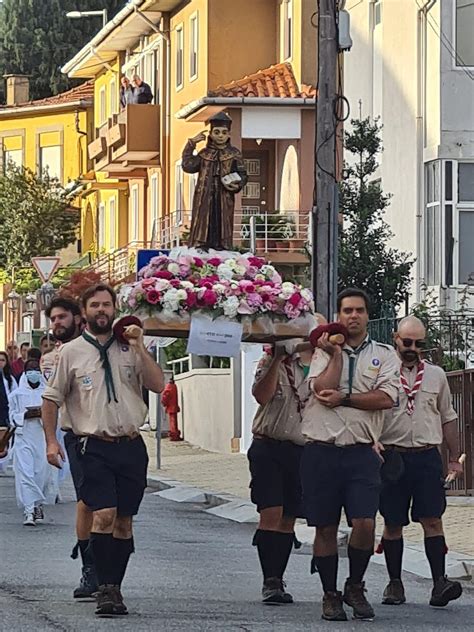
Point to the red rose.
(295, 299)
(191, 299)
(198, 262)
(209, 298)
(214, 261)
(153, 297)
(164, 274)
(257, 262)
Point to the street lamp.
(30, 303)
(86, 14)
(13, 303)
(45, 295)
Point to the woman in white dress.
(7, 386)
(33, 475)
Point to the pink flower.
(148, 282)
(244, 308)
(153, 297)
(247, 286)
(209, 298)
(191, 299)
(254, 299)
(256, 262)
(164, 274)
(214, 261)
(175, 283)
(295, 299)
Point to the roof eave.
(194, 106)
(72, 105)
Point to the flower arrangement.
(230, 285)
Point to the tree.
(365, 259)
(36, 218)
(36, 39)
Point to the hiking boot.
(273, 592)
(110, 601)
(29, 519)
(38, 514)
(445, 591)
(87, 585)
(355, 598)
(333, 609)
(394, 593)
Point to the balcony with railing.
(128, 141)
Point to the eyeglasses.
(408, 342)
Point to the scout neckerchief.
(353, 353)
(288, 364)
(411, 392)
(104, 357)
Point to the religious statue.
(222, 174)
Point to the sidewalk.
(224, 478)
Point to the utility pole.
(325, 211)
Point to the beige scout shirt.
(48, 363)
(433, 408)
(279, 418)
(377, 367)
(78, 387)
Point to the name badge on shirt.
(87, 382)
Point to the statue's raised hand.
(199, 138)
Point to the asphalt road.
(190, 571)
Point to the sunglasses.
(408, 342)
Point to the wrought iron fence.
(462, 388)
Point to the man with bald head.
(413, 432)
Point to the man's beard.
(100, 329)
(65, 333)
(410, 356)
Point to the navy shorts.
(275, 470)
(421, 486)
(71, 443)
(336, 478)
(114, 474)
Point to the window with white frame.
(193, 46)
(13, 157)
(178, 192)
(113, 97)
(287, 29)
(193, 177)
(466, 222)
(464, 33)
(135, 214)
(154, 202)
(102, 106)
(50, 161)
(101, 227)
(432, 224)
(179, 56)
(112, 223)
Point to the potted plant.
(283, 231)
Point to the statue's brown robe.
(212, 221)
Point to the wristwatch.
(346, 400)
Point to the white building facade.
(412, 65)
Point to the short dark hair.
(30, 361)
(352, 291)
(34, 353)
(24, 344)
(48, 337)
(99, 287)
(68, 304)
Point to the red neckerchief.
(411, 392)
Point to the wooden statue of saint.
(222, 174)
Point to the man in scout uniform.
(98, 382)
(352, 385)
(66, 323)
(413, 432)
(274, 457)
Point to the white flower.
(268, 270)
(162, 284)
(219, 288)
(224, 272)
(240, 270)
(181, 295)
(307, 294)
(187, 285)
(170, 300)
(230, 306)
(287, 290)
(173, 268)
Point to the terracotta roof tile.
(83, 92)
(276, 81)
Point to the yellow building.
(199, 57)
(47, 134)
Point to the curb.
(458, 565)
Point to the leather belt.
(114, 439)
(333, 445)
(399, 448)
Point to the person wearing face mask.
(222, 174)
(31, 468)
(414, 430)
